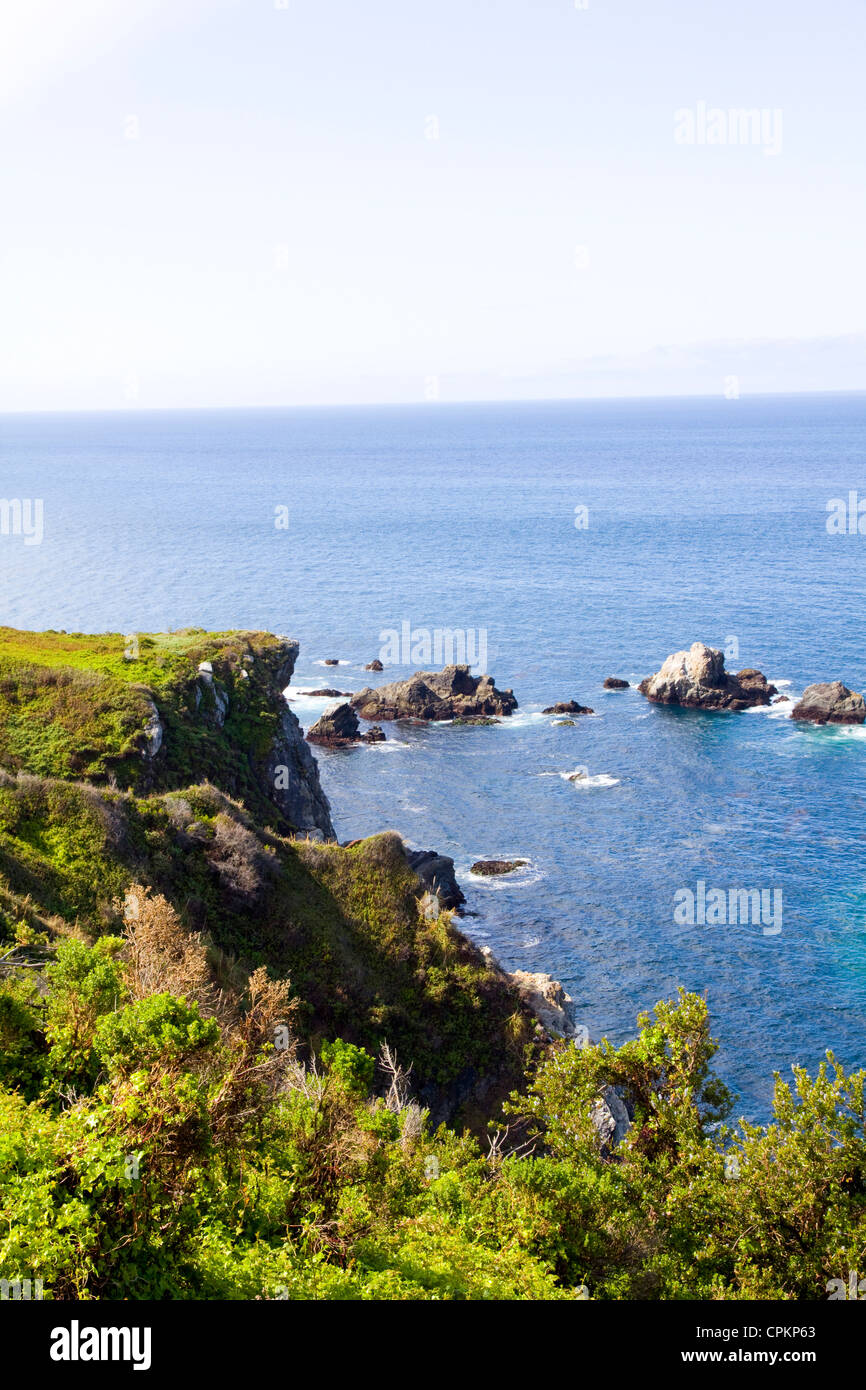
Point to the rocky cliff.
(159, 711)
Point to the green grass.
(76, 706)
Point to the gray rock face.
(436, 872)
(297, 790)
(546, 998)
(830, 703)
(611, 1119)
(293, 773)
(337, 727)
(211, 696)
(154, 731)
(452, 693)
(697, 679)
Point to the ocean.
(571, 541)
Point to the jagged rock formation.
(697, 679)
(374, 665)
(339, 728)
(453, 693)
(611, 1117)
(436, 872)
(549, 1002)
(830, 703)
(568, 707)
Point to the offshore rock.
(697, 679)
(830, 703)
(453, 693)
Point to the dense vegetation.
(224, 1056)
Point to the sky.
(243, 202)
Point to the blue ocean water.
(706, 520)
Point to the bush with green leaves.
(160, 1027)
(149, 1149)
(351, 1064)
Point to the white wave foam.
(524, 718)
(601, 779)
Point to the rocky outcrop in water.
(830, 703)
(614, 683)
(326, 694)
(374, 665)
(568, 707)
(489, 867)
(339, 728)
(697, 679)
(453, 693)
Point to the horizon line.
(433, 404)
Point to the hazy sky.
(236, 202)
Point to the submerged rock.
(497, 866)
(374, 735)
(476, 719)
(332, 661)
(448, 694)
(328, 693)
(614, 683)
(697, 679)
(568, 707)
(830, 703)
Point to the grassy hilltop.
(77, 706)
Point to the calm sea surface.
(706, 520)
